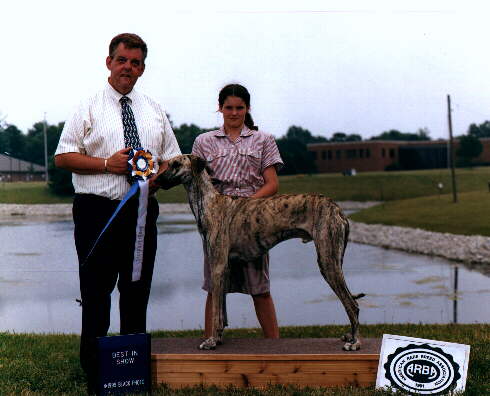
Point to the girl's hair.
(240, 92)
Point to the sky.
(360, 67)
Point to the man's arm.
(82, 164)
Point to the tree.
(60, 180)
(3, 140)
(353, 137)
(3, 123)
(470, 147)
(296, 157)
(343, 137)
(423, 133)
(303, 135)
(393, 134)
(35, 141)
(294, 153)
(480, 131)
(338, 137)
(12, 141)
(186, 134)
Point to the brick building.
(378, 155)
(14, 169)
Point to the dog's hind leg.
(330, 251)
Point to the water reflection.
(39, 283)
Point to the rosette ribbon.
(141, 168)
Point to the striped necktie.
(131, 138)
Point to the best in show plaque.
(124, 364)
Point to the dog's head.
(181, 170)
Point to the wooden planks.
(242, 369)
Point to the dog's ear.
(198, 164)
(208, 169)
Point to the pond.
(39, 283)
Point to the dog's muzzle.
(164, 182)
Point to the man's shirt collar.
(117, 96)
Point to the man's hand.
(118, 162)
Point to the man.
(95, 145)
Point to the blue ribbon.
(132, 191)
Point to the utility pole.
(455, 296)
(451, 148)
(46, 176)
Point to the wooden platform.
(259, 362)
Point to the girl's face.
(234, 110)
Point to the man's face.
(126, 67)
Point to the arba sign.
(422, 367)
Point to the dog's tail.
(357, 296)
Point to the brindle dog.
(246, 228)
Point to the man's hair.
(130, 40)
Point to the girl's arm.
(271, 184)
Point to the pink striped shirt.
(238, 165)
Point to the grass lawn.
(29, 193)
(369, 186)
(469, 216)
(48, 364)
(386, 186)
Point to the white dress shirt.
(96, 130)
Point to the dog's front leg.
(218, 262)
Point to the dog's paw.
(352, 346)
(346, 337)
(208, 344)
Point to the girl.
(244, 162)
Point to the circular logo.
(140, 165)
(422, 370)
